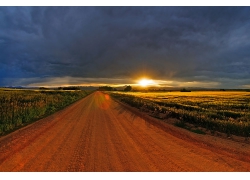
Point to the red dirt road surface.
(100, 134)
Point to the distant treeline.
(108, 88)
(63, 88)
(185, 90)
(69, 88)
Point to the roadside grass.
(22, 107)
(221, 111)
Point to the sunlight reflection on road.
(104, 102)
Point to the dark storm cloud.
(182, 44)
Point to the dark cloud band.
(182, 44)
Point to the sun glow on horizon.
(146, 82)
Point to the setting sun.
(146, 82)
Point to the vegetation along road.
(100, 134)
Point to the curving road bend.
(99, 134)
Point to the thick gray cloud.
(182, 44)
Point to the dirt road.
(98, 134)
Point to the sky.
(188, 46)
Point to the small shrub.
(198, 131)
(181, 124)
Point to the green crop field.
(19, 107)
(223, 111)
